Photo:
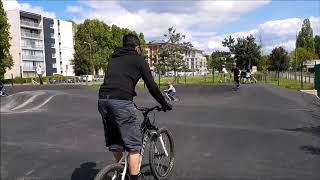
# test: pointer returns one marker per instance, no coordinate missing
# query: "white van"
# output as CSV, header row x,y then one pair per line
x,y
85,78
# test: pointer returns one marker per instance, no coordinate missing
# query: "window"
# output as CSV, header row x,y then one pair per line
x,y
53,55
51,35
52,44
51,25
54,65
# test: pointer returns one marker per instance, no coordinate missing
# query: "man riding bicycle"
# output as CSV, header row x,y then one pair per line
x,y
122,130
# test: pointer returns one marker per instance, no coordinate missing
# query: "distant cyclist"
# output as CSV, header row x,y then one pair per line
x,y
122,129
236,74
248,76
171,91
1,87
2,90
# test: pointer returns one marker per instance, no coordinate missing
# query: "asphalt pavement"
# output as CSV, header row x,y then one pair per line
x,y
258,132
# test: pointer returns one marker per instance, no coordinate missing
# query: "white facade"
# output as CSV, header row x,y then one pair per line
x,y
196,61
63,35
27,43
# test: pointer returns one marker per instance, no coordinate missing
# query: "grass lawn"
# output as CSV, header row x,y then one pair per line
x,y
292,84
182,80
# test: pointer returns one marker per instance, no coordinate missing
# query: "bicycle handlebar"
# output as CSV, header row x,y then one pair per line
x,y
147,110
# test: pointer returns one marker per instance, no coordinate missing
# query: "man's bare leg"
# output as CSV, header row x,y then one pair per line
x,y
134,157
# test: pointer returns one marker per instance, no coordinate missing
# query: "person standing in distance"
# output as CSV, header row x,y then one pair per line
x,y
39,72
236,74
115,104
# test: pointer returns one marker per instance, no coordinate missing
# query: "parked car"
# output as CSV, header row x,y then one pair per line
x,y
85,78
98,78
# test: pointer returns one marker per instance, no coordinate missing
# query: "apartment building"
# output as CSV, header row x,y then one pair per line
x,y
152,52
194,59
35,42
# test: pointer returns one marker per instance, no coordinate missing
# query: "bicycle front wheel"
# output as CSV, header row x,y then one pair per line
x,y
161,154
112,172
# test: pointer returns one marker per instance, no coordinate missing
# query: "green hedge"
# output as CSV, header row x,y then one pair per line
x,y
19,80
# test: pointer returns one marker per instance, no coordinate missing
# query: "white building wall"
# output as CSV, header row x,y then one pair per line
x,y
14,21
64,47
196,61
67,49
56,46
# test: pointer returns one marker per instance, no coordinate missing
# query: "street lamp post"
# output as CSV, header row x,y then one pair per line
x,y
90,55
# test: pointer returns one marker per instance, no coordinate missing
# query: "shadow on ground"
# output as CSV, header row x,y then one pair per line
x,y
313,130
87,171
311,149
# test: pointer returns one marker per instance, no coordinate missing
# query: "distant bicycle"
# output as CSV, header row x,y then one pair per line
x,y
3,92
161,154
170,97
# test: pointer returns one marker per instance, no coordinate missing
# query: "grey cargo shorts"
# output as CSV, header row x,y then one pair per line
x,y
121,127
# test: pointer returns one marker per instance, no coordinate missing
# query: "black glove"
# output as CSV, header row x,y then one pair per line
x,y
166,107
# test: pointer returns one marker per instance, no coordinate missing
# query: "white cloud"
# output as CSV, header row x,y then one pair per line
x,y
154,24
213,13
14,4
74,9
216,45
271,34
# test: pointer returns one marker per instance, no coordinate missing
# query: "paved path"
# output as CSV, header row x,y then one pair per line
x,y
258,132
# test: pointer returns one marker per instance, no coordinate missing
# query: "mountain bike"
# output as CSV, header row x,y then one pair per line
x,y
3,93
161,152
169,97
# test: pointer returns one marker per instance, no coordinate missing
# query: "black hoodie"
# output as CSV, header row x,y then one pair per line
x,y
124,70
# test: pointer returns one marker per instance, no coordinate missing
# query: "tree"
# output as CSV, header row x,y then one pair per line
x,y
305,36
142,43
6,61
299,55
263,63
172,52
93,47
317,45
117,35
95,41
279,59
245,50
219,58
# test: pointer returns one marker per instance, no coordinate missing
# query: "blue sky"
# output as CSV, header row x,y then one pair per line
x,y
205,23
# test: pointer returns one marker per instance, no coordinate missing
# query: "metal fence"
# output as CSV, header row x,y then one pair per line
x,y
291,75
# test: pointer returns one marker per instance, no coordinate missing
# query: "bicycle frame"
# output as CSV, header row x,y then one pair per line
x,y
148,130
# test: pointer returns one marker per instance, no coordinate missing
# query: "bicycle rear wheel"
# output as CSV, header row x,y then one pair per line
x,y
161,161
111,172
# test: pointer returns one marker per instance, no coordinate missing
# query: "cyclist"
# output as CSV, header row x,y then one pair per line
x,y
122,130
171,91
248,76
236,73
1,88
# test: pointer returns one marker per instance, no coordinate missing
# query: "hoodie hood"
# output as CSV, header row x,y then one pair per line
x,y
124,51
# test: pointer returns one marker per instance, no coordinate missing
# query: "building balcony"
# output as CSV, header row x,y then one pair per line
x,y
31,47
27,68
30,24
31,35
32,57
